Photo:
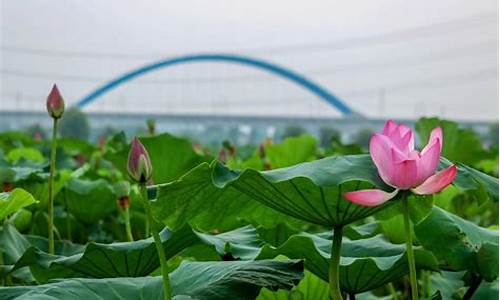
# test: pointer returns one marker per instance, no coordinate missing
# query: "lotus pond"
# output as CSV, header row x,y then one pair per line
x,y
158,218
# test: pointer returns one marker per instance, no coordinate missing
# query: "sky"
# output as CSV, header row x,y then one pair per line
x,y
398,59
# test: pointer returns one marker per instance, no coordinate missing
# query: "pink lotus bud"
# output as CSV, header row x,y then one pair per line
x,y
139,165
222,155
123,203
101,142
55,103
7,187
37,137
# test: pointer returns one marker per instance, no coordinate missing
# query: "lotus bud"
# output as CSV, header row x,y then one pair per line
x,y
222,155
37,137
197,148
7,187
122,191
151,126
262,151
7,177
229,147
139,165
102,142
55,103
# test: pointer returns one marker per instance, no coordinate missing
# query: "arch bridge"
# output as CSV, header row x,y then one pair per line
x,y
272,68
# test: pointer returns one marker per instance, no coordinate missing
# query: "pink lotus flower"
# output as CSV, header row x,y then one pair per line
x,y
139,165
55,103
402,167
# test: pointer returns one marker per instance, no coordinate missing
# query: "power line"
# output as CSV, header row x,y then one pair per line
x,y
382,38
460,79
397,36
403,62
436,82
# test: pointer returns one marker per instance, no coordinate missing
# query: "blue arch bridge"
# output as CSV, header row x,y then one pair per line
x,y
260,126
228,122
272,68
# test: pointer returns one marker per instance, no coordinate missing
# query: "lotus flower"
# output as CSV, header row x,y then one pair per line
x,y
55,103
139,165
402,167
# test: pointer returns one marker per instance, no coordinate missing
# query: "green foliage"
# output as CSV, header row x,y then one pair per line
x,y
327,135
365,264
192,280
14,139
21,219
234,279
232,228
310,288
362,137
460,243
293,130
25,153
194,200
94,260
89,201
291,151
455,140
311,191
74,124
12,202
36,131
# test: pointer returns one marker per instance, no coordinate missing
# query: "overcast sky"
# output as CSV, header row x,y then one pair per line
x,y
383,58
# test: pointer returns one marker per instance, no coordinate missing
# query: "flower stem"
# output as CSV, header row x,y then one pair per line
x,y
51,185
128,228
146,227
335,293
392,291
2,281
167,291
409,249
475,282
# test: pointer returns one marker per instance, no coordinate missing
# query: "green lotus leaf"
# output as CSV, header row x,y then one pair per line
x,y
195,200
365,264
12,202
124,259
234,279
192,280
75,146
88,200
30,154
460,243
455,140
214,197
18,173
310,287
311,191
241,244
471,179
291,151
